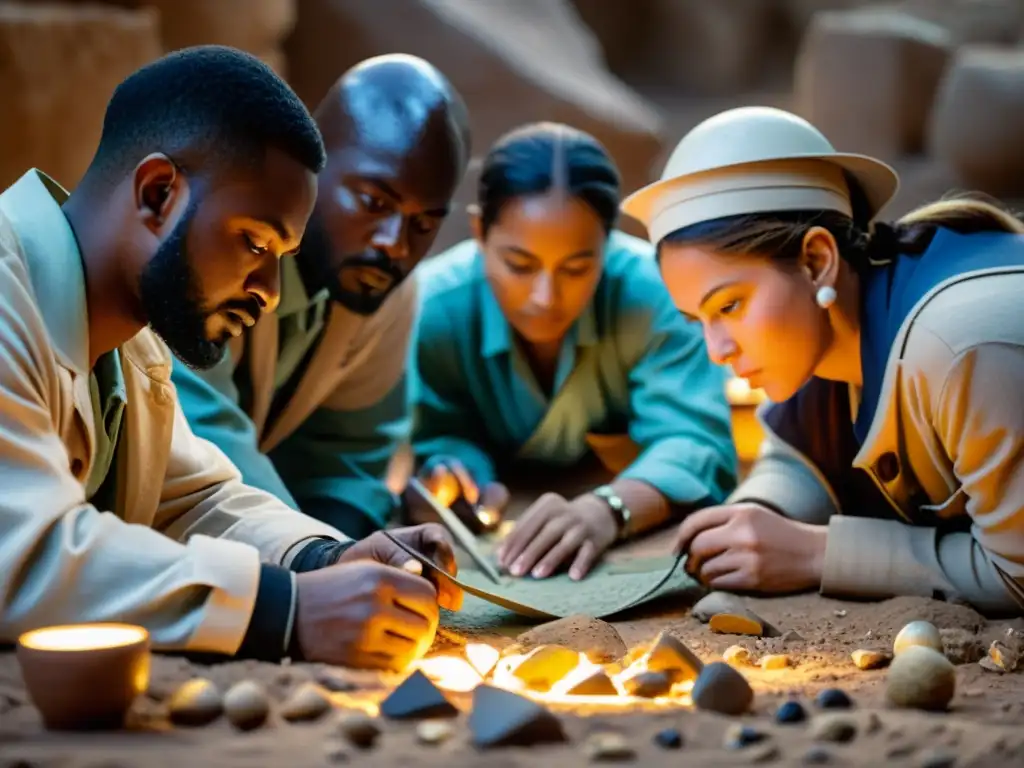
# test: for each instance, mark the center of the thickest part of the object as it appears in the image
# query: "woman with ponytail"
(892, 356)
(549, 349)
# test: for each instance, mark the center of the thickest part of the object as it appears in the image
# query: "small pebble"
(840, 613)
(648, 685)
(870, 659)
(833, 698)
(334, 682)
(990, 666)
(775, 661)
(669, 738)
(936, 758)
(737, 655)
(792, 636)
(308, 702)
(874, 723)
(921, 678)
(609, 747)
(761, 753)
(246, 705)
(1003, 656)
(197, 702)
(361, 730)
(917, 633)
(817, 755)
(838, 729)
(335, 753)
(433, 731)
(790, 712)
(739, 736)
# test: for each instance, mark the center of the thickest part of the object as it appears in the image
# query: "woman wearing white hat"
(893, 356)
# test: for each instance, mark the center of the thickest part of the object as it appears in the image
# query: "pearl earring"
(826, 296)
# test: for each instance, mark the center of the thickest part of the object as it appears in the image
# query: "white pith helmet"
(755, 160)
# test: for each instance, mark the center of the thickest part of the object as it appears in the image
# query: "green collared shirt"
(107, 390)
(300, 320)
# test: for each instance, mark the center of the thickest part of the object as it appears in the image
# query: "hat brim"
(878, 182)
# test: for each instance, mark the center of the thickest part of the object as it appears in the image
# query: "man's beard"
(343, 284)
(172, 300)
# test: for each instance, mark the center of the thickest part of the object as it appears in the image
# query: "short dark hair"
(205, 105)
(529, 161)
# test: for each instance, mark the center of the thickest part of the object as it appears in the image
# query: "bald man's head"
(397, 139)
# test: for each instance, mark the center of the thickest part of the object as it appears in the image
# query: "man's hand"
(749, 547)
(430, 540)
(365, 615)
(448, 480)
(553, 531)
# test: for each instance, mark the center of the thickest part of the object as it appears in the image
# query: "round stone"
(833, 698)
(917, 633)
(921, 678)
(790, 712)
(669, 738)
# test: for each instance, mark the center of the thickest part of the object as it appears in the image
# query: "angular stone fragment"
(598, 684)
(417, 697)
(503, 718)
(722, 689)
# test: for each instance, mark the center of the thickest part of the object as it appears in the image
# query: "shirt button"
(887, 467)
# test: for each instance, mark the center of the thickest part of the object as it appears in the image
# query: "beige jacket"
(947, 441)
(181, 553)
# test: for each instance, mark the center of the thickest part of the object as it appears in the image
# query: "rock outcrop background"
(934, 86)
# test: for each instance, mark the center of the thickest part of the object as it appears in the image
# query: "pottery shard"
(599, 640)
(742, 622)
(867, 79)
(197, 702)
(503, 718)
(722, 689)
(417, 697)
(979, 118)
(246, 705)
(61, 64)
(513, 61)
(668, 654)
(308, 702)
(545, 666)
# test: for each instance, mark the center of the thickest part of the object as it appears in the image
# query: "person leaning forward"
(113, 510)
(312, 402)
(892, 354)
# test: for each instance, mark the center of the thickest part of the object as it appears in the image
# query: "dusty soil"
(981, 727)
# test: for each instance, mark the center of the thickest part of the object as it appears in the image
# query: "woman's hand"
(553, 531)
(749, 547)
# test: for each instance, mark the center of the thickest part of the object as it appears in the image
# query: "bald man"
(311, 401)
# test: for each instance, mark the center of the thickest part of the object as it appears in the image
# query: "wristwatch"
(618, 507)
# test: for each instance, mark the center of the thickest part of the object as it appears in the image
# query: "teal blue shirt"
(631, 364)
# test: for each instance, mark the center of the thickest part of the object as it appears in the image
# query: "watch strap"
(618, 508)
